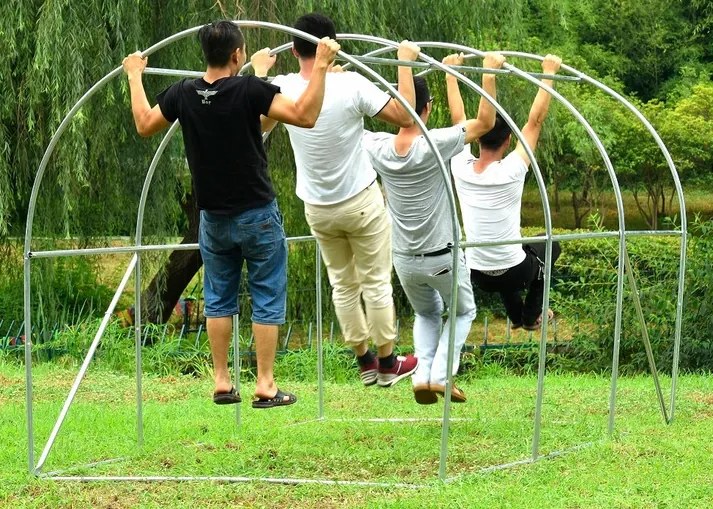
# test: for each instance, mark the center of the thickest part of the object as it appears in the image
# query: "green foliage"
(53, 51)
(697, 345)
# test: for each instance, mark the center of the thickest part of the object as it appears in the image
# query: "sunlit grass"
(646, 464)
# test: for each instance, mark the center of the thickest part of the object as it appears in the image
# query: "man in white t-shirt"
(490, 193)
(344, 206)
(417, 199)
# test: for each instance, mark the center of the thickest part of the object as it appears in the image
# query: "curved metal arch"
(681, 202)
(622, 238)
(668, 417)
(602, 150)
(394, 93)
(60, 131)
(548, 258)
(390, 45)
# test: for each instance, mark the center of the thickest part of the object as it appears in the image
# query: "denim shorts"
(257, 237)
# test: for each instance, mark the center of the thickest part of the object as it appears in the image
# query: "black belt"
(440, 252)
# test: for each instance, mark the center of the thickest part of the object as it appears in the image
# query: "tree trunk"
(166, 287)
(647, 217)
(575, 209)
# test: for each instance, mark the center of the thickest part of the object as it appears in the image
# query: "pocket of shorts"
(214, 232)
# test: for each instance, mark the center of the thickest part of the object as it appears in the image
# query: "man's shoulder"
(513, 161)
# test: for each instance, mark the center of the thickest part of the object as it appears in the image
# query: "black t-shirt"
(223, 139)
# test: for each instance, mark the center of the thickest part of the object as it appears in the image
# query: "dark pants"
(527, 275)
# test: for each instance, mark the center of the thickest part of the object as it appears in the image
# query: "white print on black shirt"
(207, 94)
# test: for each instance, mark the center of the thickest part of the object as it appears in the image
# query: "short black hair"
(494, 139)
(218, 40)
(423, 96)
(316, 24)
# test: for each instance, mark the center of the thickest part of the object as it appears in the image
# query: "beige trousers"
(354, 237)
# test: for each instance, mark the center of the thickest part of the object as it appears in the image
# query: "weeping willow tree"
(55, 50)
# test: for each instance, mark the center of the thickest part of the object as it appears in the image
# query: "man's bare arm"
(394, 112)
(455, 101)
(539, 109)
(305, 110)
(485, 121)
(148, 120)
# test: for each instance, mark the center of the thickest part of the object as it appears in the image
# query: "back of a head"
(315, 24)
(494, 139)
(423, 96)
(219, 40)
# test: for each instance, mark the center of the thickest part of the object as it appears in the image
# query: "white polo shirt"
(490, 205)
(331, 164)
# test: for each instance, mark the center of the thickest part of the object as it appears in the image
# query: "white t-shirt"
(490, 205)
(416, 192)
(331, 164)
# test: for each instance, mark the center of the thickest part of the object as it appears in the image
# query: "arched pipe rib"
(456, 228)
(626, 263)
(548, 250)
(63, 125)
(681, 201)
(620, 209)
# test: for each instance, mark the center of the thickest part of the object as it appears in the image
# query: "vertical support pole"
(679, 313)
(543, 338)
(617, 332)
(236, 364)
(138, 345)
(320, 353)
(28, 366)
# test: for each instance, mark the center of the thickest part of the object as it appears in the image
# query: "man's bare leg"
(265, 349)
(219, 334)
(385, 350)
(361, 348)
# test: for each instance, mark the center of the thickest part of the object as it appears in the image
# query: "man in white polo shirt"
(490, 193)
(344, 206)
(417, 199)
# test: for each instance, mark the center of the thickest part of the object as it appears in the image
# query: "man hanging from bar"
(417, 199)
(344, 206)
(240, 220)
(490, 191)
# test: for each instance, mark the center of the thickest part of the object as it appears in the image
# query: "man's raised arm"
(148, 120)
(539, 109)
(394, 112)
(305, 110)
(485, 121)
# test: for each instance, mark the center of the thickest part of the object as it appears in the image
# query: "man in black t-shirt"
(220, 118)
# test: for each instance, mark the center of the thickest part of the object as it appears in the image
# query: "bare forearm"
(486, 111)
(455, 101)
(540, 106)
(310, 102)
(406, 88)
(140, 106)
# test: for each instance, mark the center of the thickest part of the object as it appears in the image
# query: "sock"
(387, 362)
(366, 359)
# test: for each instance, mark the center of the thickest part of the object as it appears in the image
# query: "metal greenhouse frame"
(426, 64)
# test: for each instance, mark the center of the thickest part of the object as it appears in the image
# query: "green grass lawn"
(646, 464)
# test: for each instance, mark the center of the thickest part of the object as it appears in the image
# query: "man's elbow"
(306, 122)
(310, 122)
(143, 130)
